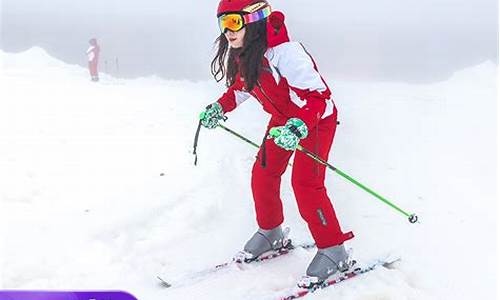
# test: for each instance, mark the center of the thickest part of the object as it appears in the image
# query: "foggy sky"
(397, 40)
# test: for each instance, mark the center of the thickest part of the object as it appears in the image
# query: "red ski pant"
(308, 179)
(93, 68)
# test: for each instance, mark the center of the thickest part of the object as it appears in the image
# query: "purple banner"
(59, 295)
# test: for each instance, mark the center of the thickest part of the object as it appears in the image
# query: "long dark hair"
(250, 56)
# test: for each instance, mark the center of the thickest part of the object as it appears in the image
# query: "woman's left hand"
(289, 136)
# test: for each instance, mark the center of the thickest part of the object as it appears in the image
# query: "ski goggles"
(236, 21)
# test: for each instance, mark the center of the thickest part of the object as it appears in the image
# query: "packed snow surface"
(99, 190)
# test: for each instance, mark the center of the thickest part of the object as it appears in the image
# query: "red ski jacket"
(289, 84)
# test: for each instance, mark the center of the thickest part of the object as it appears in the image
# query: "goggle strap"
(258, 15)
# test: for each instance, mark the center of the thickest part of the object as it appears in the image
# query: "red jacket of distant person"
(93, 59)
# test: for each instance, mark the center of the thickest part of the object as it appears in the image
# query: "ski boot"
(328, 262)
(264, 243)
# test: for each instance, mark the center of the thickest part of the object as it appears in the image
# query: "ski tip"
(390, 261)
(163, 283)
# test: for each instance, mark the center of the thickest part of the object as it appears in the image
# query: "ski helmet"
(245, 6)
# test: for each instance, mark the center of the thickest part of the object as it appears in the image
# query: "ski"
(197, 276)
(301, 292)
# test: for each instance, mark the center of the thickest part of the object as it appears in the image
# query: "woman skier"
(256, 58)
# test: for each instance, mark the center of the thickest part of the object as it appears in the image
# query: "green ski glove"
(211, 116)
(289, 136)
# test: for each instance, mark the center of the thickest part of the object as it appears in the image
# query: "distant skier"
(256, 58)
(93, 58)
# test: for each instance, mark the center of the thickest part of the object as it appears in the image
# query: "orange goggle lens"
(233, 22)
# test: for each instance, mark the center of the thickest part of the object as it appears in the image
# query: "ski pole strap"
(295, 131)
(196, 136)
(263, 152)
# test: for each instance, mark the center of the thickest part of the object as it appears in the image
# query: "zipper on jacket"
(269, 99)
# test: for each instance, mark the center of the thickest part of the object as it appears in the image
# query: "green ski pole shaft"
(238, 135)
(412, 218)
(242, 137)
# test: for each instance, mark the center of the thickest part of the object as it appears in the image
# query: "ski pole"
(412, 218)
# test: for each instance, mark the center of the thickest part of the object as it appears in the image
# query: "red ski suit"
(290, 86)
(93, 58)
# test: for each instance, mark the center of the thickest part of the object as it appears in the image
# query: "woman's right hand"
(211, 116)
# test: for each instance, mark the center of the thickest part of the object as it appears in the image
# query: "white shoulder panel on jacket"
(293, 63)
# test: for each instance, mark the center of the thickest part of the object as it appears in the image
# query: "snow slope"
(84, 205)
